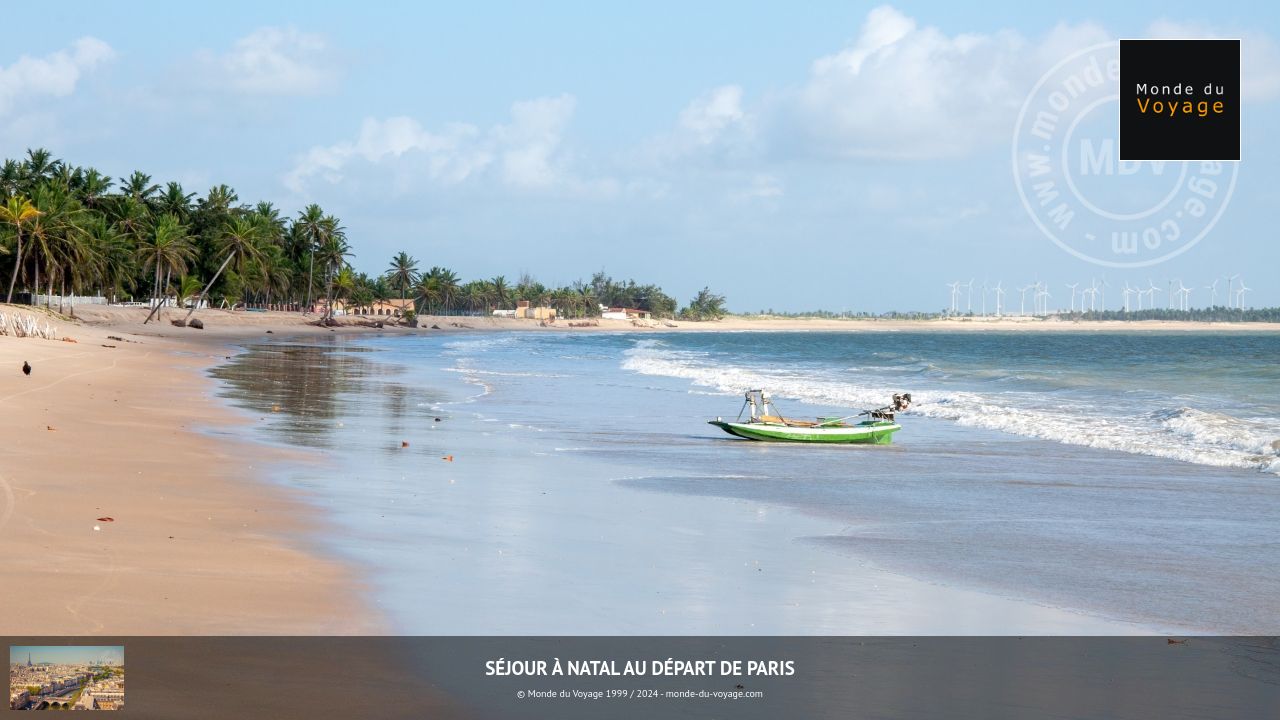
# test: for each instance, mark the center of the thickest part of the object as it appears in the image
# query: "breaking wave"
(1179, 433)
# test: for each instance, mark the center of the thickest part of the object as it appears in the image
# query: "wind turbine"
(1042, 294)
(1128, 292)
(1103, 290)
(1230, 280)
(969, 305)
(1073, 287)
(955, 291)
(1151, 294)
(1184, 296)
(1022, 303)
(999, 298)
(984, 297)
(1240, 294)
(1213, 290)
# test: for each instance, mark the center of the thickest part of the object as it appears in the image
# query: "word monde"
(1181, 104)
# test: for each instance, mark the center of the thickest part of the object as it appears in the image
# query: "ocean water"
(569, 483)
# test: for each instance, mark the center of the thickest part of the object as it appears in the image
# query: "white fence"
(56, 300)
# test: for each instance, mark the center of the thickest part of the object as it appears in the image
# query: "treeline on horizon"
(69, 230)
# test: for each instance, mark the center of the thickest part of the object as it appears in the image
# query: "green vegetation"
(439, 291)
(1213, 314)
(68, 230)
(705, 306)
(73, 230)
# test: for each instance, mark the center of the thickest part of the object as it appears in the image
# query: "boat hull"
(878, 434)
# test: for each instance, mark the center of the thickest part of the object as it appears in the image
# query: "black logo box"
(1205, 73)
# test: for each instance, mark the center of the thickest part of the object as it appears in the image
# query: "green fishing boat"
(765, 422)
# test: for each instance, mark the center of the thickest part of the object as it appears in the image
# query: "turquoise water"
(1129, 478)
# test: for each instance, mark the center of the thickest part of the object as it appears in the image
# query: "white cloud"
(903, 90)
(529, 143)
(708, 116)
(1259, 57)
(525, 153)
(274, 61)
(54, 75)
(713, 130)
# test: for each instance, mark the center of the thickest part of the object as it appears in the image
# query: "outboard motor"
(901, 402)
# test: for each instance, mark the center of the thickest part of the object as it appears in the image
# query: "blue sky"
(723, 144)
(66, 654)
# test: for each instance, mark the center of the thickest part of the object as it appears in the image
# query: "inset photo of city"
(66, 677)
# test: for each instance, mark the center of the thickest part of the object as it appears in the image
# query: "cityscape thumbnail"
(66, 677)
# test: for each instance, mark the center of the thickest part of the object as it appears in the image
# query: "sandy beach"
(111, 426)
(116, 425)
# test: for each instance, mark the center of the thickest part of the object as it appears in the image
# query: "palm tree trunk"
(311, 268)
(17, 263)
(204, 292)
(328, 297)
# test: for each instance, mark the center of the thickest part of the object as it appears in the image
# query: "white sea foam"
(1179, 433)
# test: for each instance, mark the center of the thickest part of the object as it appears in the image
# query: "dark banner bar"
(684, 677)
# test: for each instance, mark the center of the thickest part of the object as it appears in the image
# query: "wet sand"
(201, 541)
(196, 542)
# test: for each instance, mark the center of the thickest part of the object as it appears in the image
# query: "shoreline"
(244, 323)
(122, 424)
(203, 541)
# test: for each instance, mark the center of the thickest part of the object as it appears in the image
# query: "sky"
(842, 156)
(67, 654)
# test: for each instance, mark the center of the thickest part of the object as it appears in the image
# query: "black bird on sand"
(26, 368)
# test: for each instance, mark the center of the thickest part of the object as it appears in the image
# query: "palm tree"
(55, 235)
(449, 286)
(188, 286)
(139, 187)
(332, 256)
(10, 178)
(17, 211)
(445, 286)
(239, 243)
(175, 201)
(426, 293)
(345, 284)
(403, 273)
(92, 188)
(501, 292)
(270, 272)
(114, 253)
(314, 229)
(167, 249)
(38, 167)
